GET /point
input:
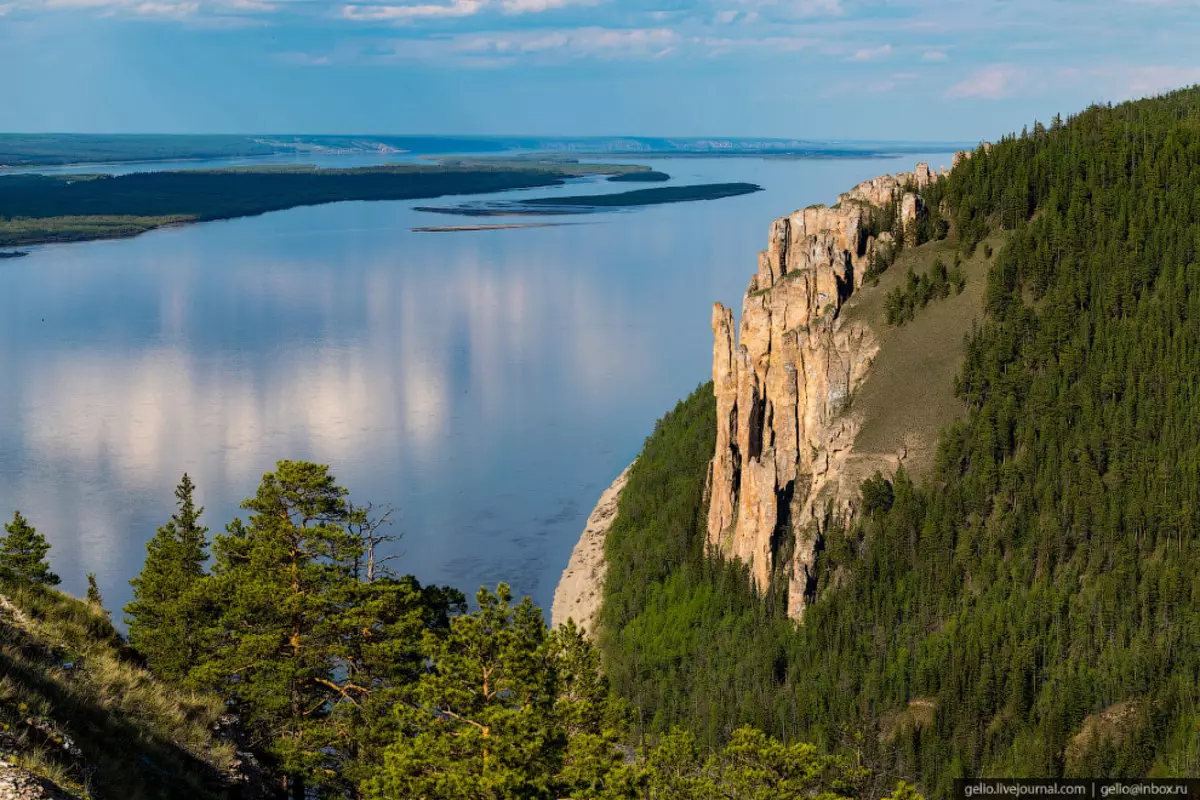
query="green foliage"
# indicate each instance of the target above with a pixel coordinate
(753, 766)
(505, 709)
(47, 230)
(877, 495)
(304, 633)
(167, 614)
(647, 197)
(93, 591)
(1046, 571)
(903, 302)
(685, 638)
(278, 582)
(23, 555)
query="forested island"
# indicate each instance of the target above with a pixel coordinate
(37, 209)
(587, 204)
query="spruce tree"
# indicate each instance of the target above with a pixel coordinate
(168, 611)
(23, 555)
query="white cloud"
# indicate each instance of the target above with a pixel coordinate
(458, 8)
(192, 11)
(990, 83)
(1142, 81)
(1117, 82)
(573, 43)
(813, 8)
(872, 53)
(531, 6)
(934, 55)
(155, 9)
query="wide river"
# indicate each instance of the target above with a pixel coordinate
(488, 385)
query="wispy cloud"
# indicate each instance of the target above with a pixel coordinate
(589, 42)
(457, 8)
(990, 83)
(871, 53)
(179, 10)
(934, 55)
(491, 49)
(1152, 80)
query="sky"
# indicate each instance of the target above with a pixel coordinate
(960, 70)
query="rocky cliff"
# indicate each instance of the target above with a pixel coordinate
(785, 382)
(581, 588)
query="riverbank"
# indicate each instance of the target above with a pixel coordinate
(45, 209)
(580, 590)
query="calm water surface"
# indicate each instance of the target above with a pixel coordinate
(489, 385)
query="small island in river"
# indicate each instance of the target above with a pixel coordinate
(587, 204)
(505, 227)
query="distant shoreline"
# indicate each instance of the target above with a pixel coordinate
(56, 208)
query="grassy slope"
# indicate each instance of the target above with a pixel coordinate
(80, 714)
(908, 397)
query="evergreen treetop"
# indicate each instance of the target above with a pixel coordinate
(166, 613)
(23, 555)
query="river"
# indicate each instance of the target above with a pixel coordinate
(488, 385)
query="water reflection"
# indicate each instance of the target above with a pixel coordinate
(489, 385)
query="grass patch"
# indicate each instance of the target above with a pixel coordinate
(50, 230)
(78, 710)
(908, 395)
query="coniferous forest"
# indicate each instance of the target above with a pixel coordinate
(1029, 609)
(1033, 607)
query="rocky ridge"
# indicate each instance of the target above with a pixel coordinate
(784, 384)
(581, 588)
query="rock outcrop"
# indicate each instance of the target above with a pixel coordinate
(784, 383)
(581, 588)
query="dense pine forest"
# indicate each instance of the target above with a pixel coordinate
(1033, 608)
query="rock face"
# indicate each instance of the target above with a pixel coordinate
(783, 386)
(581, 588)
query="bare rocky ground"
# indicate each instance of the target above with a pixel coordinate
(18, 784)
(581, 588)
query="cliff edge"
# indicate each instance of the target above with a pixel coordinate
(580, 591)
(784, 384)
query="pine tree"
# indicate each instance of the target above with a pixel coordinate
(168, 610)
(283, 582)
(23, 555)
(93, 591)
(482, 725)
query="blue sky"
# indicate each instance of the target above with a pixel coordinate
(869, 69)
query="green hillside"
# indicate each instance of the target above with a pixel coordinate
(1030, 607)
